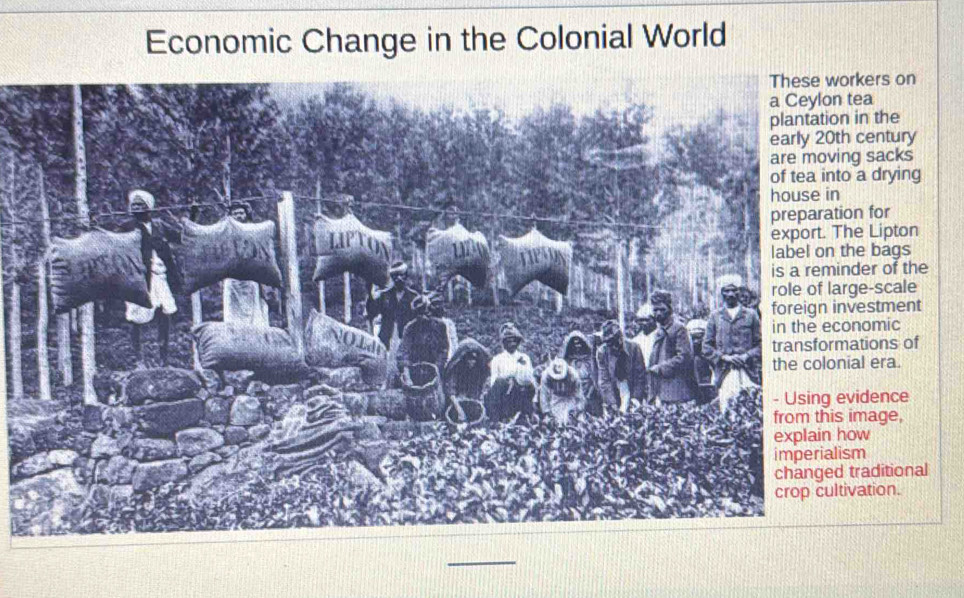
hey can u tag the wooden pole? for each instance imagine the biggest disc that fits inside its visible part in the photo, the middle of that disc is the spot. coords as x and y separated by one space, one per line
495 279
289 248
43 313
88 356
346 278
321 283
14 331
609 304
197 316
620 300
64 361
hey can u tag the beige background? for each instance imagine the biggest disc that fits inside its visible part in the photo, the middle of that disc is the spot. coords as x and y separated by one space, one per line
793 550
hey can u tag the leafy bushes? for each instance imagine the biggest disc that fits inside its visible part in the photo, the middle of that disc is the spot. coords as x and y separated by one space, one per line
667 462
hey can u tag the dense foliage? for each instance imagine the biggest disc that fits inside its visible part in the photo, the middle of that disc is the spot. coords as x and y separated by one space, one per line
668 462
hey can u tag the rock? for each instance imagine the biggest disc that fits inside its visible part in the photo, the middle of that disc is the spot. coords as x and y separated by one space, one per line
321 390
42 463
46 504
84 469
203 394
360 476
257 388
355 403
158 473
163 419
106 446
235 435
227 391
246 467
217 410
280 399
228 451
203 460
108 385
151 449
194 441
427 428
347 378
118 419
398 430
116 470
210 380
21 441
239 379
246 411
162 385
390 403
368 431
121 494
93 417
284 390
258 432
99 496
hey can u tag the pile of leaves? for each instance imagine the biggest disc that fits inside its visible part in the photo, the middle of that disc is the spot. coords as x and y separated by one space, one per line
668 462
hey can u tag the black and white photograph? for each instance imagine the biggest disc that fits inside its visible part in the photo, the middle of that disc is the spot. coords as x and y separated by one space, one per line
267 306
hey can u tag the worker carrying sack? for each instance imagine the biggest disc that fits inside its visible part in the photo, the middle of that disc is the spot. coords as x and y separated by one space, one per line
534 256
228 249
331 344
346 245
268 352
97 265
456 251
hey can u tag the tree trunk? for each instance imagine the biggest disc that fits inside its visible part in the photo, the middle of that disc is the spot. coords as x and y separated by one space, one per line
14 332
289 248
43 313
87 347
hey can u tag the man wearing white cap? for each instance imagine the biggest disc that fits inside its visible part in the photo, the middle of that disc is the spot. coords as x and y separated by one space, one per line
732 342
646 324
161 272
512 383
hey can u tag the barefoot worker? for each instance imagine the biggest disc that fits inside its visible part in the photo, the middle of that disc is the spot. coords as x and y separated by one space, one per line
512 383
161 271
732 342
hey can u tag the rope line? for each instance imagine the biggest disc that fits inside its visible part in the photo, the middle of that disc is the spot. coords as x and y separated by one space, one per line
377 204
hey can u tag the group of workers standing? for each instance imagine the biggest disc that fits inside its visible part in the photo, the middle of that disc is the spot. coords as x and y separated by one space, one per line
669 361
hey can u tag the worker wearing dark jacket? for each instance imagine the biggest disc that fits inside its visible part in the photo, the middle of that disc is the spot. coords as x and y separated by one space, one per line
671 362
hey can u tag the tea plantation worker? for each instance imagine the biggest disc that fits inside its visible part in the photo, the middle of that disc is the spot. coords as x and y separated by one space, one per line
436 310
646 330
732 342
464 379
162 273
242 300
577 352
702 369
425 339
393 304
512 383
671 375
750 299
560 393
620 369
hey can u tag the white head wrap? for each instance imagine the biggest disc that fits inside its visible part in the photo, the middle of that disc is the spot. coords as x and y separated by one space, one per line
141 195
729 280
